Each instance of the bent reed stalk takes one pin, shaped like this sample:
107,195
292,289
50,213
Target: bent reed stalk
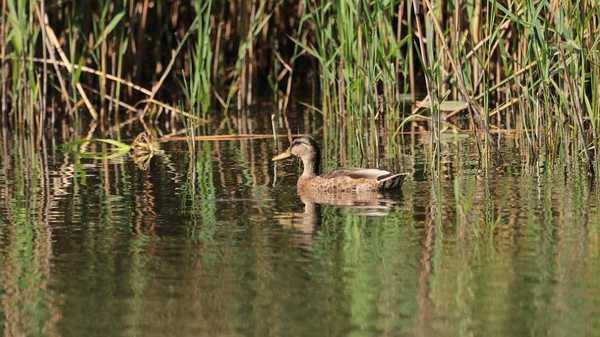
531,66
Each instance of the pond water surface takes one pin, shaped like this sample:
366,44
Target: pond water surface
215,246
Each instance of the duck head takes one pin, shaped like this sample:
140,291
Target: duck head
307,149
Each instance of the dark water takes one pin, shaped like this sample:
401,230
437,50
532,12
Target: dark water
206,246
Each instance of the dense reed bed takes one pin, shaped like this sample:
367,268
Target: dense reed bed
372,69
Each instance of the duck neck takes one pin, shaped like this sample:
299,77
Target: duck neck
311,166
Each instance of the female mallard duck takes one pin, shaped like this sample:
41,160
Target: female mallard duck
347,180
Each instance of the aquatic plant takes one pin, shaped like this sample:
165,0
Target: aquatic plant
380,68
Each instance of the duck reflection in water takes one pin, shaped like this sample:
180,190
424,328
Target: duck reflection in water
306,223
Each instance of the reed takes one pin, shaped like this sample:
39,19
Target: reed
359,55
526,66
383,67
197,88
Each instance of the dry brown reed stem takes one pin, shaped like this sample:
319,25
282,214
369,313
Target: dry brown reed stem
89,70
220,99
157,86
121,81
506,80
112,99
89,136
503,28
48,46
283,108
225,137
123,124
505,106
56,44
173,109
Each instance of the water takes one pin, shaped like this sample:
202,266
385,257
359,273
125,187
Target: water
102,248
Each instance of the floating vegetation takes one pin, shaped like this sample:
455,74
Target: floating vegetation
111,148
143,148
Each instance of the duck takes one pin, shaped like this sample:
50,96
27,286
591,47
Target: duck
358,180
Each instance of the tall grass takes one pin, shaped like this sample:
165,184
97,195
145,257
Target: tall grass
197,88
528,66
22,81
362,69
384,67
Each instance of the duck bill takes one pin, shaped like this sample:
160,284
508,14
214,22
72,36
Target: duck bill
282,156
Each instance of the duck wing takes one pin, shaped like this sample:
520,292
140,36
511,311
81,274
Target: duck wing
358,173
386,180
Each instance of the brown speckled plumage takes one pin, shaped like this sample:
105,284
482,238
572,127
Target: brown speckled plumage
347,180
337,184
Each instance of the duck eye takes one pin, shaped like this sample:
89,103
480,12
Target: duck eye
297,143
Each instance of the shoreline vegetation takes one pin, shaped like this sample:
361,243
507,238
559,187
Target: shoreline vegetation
372,71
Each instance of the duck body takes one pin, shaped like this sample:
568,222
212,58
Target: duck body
345,180
351,180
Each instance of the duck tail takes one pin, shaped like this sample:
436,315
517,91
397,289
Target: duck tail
391,181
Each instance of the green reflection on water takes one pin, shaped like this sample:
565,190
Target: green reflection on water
101,248
26,309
